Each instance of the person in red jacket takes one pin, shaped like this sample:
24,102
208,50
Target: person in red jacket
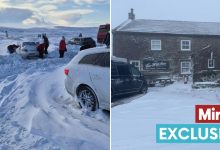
62,47
40,49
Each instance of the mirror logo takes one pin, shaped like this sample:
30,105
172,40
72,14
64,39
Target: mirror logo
193,133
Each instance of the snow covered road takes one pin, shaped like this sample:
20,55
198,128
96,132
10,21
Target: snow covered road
36,112
134,124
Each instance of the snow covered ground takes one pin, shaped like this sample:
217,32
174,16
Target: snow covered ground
36,112
134,124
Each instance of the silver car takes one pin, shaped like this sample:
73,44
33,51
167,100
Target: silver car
88,78
28,49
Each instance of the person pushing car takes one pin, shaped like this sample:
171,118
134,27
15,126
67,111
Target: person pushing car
41,48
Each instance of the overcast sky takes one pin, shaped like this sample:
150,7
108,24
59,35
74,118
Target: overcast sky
186,10
35,13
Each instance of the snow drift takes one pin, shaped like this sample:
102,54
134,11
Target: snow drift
37,112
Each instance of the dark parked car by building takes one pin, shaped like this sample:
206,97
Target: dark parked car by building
126,79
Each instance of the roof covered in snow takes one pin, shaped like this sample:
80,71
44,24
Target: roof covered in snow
170,27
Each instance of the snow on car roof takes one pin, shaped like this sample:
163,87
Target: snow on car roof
170,27
94,50
30,39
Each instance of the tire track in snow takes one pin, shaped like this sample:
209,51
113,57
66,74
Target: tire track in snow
49,108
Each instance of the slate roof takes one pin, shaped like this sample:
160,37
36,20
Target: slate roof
170,27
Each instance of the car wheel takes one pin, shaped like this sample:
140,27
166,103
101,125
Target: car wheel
87,98
144,89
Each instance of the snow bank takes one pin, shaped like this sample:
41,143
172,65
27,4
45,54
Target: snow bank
133,124
37,108
37,112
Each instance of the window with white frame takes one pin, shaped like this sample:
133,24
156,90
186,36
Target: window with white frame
185,67
211,63
135,63
185,45
155,44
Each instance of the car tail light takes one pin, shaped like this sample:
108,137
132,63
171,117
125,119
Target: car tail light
66,71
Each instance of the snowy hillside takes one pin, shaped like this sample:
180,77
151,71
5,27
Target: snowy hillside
36,111
134,124
16,36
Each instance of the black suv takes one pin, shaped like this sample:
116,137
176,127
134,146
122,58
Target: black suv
84,42
126,79
87,42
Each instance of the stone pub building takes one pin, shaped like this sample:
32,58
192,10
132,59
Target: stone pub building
174,48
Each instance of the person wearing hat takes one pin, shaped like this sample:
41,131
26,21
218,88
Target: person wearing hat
46,43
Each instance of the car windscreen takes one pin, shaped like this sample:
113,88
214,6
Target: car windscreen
103,30
135,72
28,44
87,39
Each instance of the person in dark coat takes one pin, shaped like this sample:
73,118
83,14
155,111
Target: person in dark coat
12,48
107,40
80,35
40,49
62,47
46,43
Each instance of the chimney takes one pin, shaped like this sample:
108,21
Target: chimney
131,15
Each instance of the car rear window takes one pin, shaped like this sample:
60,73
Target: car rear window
87,40
100,59
76,39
